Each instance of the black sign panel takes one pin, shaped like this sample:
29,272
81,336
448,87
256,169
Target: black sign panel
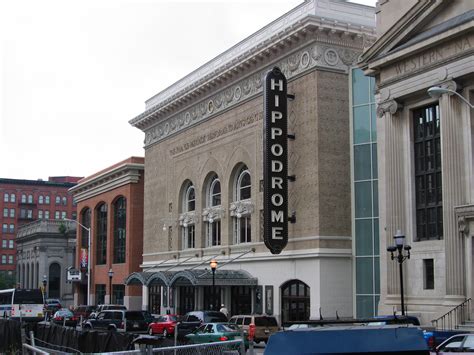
275,161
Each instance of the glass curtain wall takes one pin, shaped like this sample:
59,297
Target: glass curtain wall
365,222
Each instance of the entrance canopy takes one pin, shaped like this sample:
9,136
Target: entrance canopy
192,278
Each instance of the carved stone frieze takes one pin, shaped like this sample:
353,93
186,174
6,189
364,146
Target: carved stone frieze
212,214
391,106
188,218
307,58
241,208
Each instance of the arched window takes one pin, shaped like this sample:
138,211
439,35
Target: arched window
58,200
46,200
242,218
86,222
101,234
23,198
40,199
64,200
54,283
6,197
30,198
12,198
213,222
295,301
187,220
120,224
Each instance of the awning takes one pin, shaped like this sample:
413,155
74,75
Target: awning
192,278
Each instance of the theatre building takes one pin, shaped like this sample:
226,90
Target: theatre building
423,67
110,212
204,157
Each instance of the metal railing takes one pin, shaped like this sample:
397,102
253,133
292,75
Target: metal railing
34,349
458,315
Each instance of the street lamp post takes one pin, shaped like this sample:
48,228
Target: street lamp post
213,265
436,91
111,274
400,247
88,258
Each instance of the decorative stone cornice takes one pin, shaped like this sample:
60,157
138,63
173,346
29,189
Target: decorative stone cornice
390,106
241,208
188,218
46,227
212,214
297,63
128,173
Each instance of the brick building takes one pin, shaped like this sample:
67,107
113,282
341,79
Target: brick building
110,204
24,201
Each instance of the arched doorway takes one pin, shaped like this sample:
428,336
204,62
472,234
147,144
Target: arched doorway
54,281
295,301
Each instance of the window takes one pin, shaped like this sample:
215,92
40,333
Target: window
74,215
30,198
46,200
86,221
4,243
46,214
118,293
23,213
428,274
63,214
428,184
64,201
242,221
4,259
23,198
12,212
58,200
5,228
5,212
12,198
56,215
12,228
187,225
5,197
100,294
30,214
10,259
101,231
40,199
213,225
120,224
11,244
40,214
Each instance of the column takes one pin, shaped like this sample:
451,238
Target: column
454,188
145,301
392,185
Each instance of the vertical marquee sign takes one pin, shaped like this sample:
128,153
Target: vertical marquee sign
275,161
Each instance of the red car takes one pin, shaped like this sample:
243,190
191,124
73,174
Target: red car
163,325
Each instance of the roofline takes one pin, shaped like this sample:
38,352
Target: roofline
36,183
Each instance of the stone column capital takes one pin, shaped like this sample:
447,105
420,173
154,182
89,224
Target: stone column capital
390,106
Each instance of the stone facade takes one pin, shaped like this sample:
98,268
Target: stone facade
205,126
429,44
46,249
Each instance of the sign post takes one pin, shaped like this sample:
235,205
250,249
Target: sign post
275,161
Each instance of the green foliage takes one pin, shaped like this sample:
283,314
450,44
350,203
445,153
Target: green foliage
7,281
62,229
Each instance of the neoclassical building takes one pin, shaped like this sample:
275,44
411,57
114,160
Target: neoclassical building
425,151
45,251
204,170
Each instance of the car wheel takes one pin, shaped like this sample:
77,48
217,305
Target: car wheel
112,329
150,331
165,333
87,327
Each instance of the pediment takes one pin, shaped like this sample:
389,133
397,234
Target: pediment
422,21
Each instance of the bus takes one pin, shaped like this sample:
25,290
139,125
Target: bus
22,304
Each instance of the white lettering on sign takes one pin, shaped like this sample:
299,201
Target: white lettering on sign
276,232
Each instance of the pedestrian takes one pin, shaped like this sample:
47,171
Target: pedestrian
224,310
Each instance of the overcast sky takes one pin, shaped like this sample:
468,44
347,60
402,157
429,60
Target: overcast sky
73,73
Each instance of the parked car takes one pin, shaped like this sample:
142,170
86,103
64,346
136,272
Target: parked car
64,316
83,311
215,332
119,319
264,325
108,307
51,306
461,343
192,320
163,325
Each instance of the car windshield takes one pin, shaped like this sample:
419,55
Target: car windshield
173,318
214,317
265,322
227,328
116,307
134,315
64,312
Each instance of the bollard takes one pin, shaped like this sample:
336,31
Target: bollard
64,321
32,338
251,337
